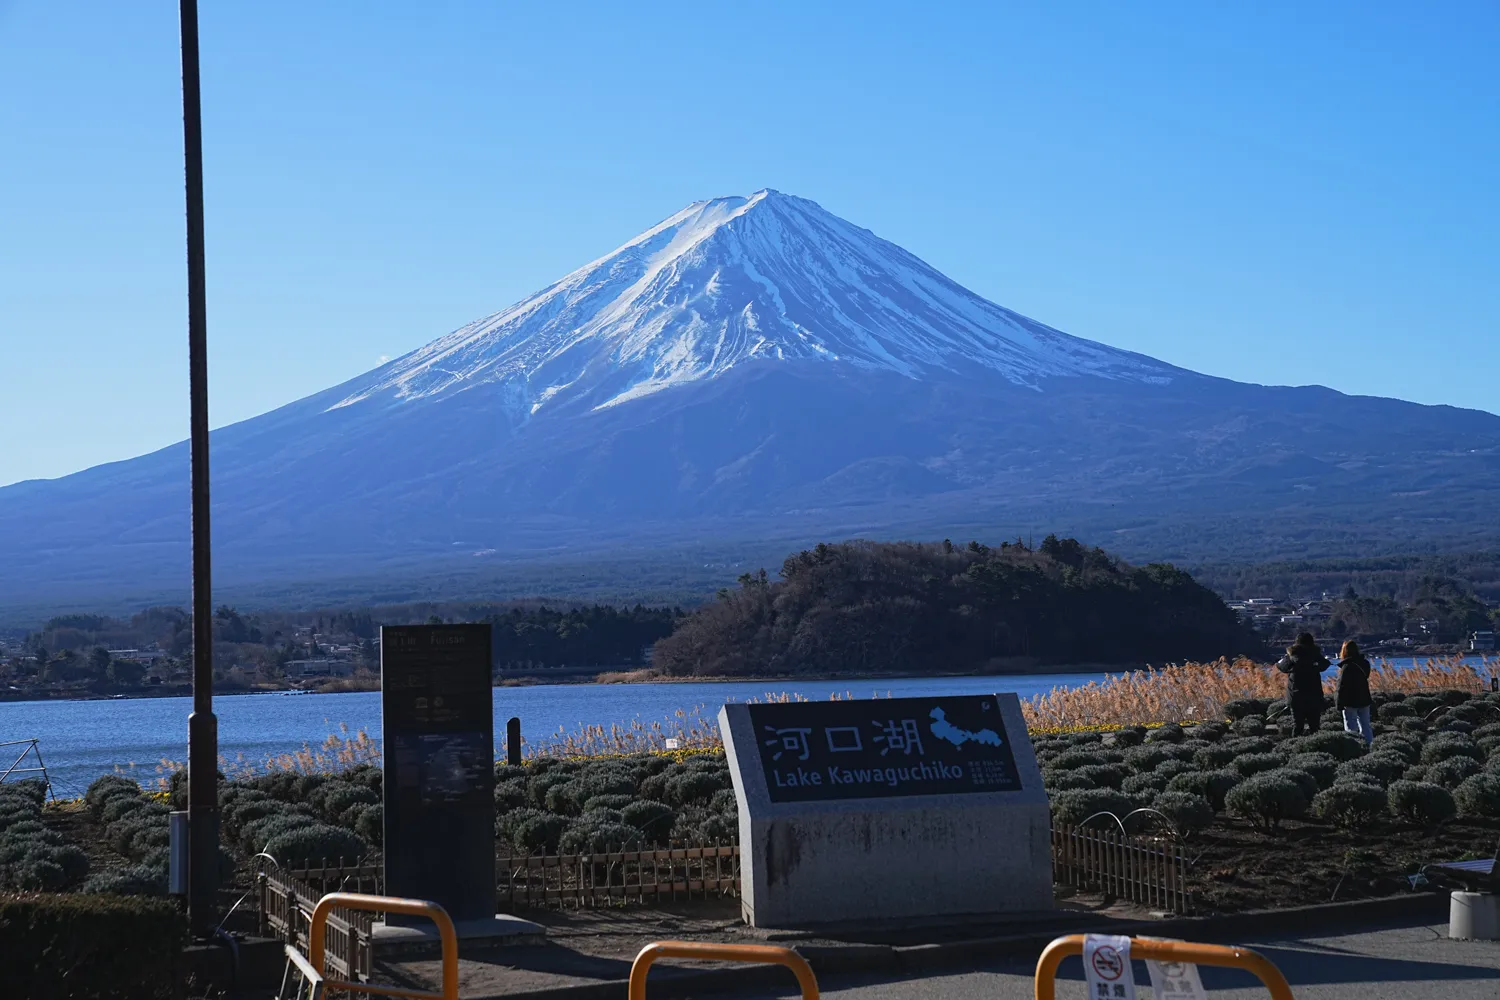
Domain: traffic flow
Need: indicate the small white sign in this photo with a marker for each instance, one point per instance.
(1175, 981)
(671, 743)
(1106, 967)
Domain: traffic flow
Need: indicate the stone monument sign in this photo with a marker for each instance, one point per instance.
(438, 719)
(887, 809)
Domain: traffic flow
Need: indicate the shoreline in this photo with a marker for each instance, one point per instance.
(575, 677)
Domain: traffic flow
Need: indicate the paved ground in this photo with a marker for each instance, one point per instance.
(1395, 964)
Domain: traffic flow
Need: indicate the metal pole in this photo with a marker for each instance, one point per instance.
(203, 727)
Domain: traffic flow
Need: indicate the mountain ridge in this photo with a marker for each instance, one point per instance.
(633, 404)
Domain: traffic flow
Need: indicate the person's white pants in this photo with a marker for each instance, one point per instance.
(1357, 721)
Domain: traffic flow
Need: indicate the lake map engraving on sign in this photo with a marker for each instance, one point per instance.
(812, 751)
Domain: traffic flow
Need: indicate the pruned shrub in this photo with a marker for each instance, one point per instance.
(135, 881)
(1144, 758)
(538, 833)
(695, 786)
(1187, 813)
(1375, 769)
(1393, 710)
(1340, 746)
(1213, 757)
(608, 801)
(1210, 732)
(319, 844)
(510, 794)
(1149, 783)
(1321, 766)
(370, 824)
(1443, 746)
(1130, 736)
(1169, 769)
(1210, 785)
(1448, 773)
(654, 819)
(1171, 732)
(543, 782)
(592, 837)
(257, 833)
(1250, 725)
(1104, 775)
(1255, 763)
(1074, 807)
(1420, 802)
(1398, 745)
(1423, 704)
(696, 825)
(1240, 708)
(101, 790)
(1072, 759)
(116, 808)
(1349, 804)
(1250, 744)
(1302, 779)
(1479, 796)
(1062, 781)
(337, 798)
(1266, 800)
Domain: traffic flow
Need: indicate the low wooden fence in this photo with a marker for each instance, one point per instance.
(614, 877)
(288, 895)
(1152, 872)
(1140, 869)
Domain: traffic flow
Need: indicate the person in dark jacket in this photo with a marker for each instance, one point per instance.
(1354, 692)
(1303, 665)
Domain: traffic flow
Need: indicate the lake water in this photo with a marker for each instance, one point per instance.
(81, 740)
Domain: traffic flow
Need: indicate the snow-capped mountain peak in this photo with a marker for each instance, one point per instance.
(736, 281)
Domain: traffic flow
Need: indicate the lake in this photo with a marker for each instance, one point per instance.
(81, 740)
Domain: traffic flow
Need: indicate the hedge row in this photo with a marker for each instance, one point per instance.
(32, 857)
(89, 946)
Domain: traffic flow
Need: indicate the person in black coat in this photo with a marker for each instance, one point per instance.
(1303, 665)
(1353, 697)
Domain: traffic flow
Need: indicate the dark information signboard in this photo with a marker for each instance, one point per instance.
(824, 750)
(438, 718)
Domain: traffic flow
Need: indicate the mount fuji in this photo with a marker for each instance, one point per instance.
(755, 371)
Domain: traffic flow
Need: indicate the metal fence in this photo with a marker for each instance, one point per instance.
(614, 877)
(14, 771)
(1139, 869)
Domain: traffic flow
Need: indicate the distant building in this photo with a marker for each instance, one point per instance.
(319, 668)
(1482, 642)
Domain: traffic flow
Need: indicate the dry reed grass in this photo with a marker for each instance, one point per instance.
(1201, 690)
(1176, 693)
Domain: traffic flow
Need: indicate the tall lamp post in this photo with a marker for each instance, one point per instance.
(203, 727)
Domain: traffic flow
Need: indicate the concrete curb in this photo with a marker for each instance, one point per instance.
(836, 959)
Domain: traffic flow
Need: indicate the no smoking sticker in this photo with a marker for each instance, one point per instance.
(1106, 967)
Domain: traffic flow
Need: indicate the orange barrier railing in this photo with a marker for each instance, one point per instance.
(1227, 956)
(317, 935)
(764, 954)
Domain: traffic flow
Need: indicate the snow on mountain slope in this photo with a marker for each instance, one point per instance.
(732, 281)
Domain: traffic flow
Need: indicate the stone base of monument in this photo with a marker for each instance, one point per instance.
(500, 930)
(888, 811)
(1474, 916)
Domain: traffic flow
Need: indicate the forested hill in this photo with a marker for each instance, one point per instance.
(902, 607)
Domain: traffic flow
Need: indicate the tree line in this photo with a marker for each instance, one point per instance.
(906, 607)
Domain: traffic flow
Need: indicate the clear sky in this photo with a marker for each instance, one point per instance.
(1272, 192)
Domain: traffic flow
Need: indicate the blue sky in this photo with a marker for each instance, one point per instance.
(1272, 192)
